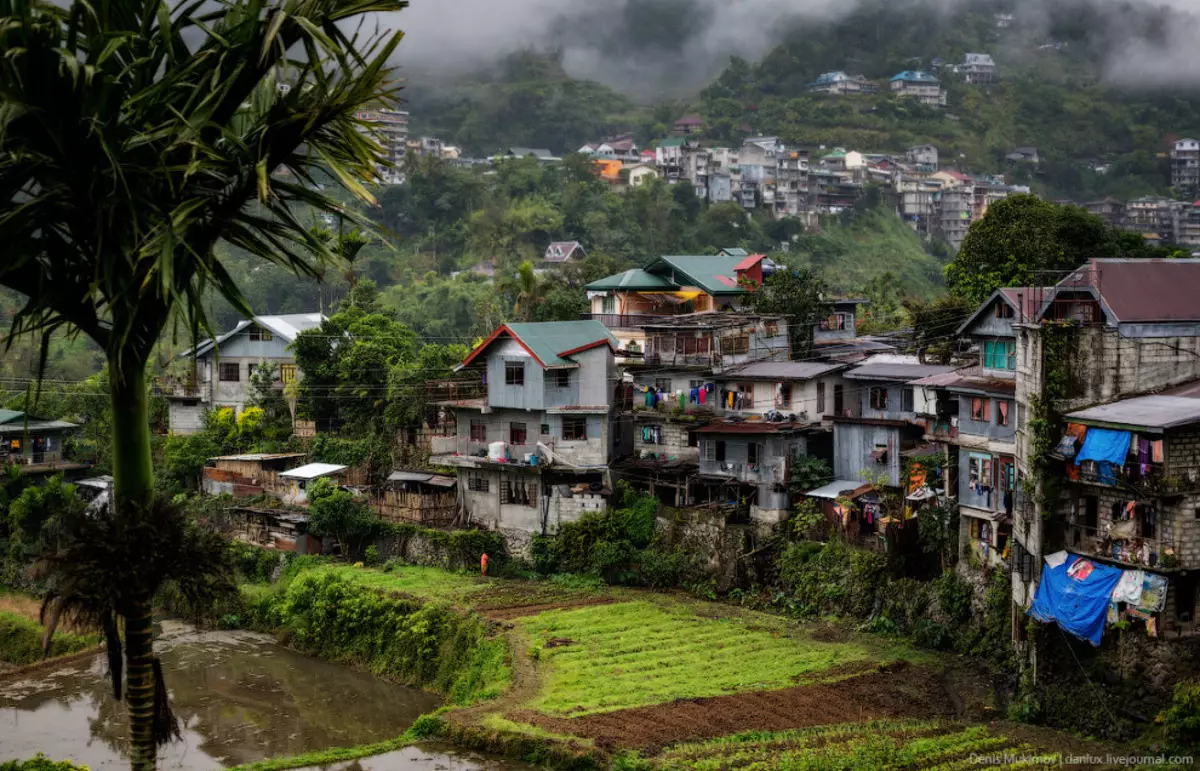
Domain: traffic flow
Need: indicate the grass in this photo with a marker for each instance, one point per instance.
(423, 582)
(635, 654)
(895, 744)
(21, 640)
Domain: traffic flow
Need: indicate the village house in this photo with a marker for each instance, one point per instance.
(543, 429)
(1185, 168)
(1108, 209)
(541, 154)
(687, 125)
(923, 157)
(419, 498)
(917, 204)
(669, 286)
(922, 86)
(560, 252)
(1124, 461)
(842, 159)
(978, 68)
(249, 475)
(620, 148)
(640, 173)
(34, 444)
(220, 368)
(296, 481)
(842, 83)
(1023, 155)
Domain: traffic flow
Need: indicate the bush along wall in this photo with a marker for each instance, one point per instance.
(448, 549)
(428, 645)
(21, 641)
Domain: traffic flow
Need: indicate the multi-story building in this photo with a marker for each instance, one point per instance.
(915, 201)
(1185, 168)
(1185, 223)
(923, 157)
(791, 183)
(1108, 209)
(390, 129)
(954, 213)
(978, 68)
(842, 83)
(922, 86)
(540, 428)
(1151, 216)
(221, 367)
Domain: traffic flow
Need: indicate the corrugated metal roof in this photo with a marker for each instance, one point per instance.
(784, 370)
(712, 273)
(7, 416)
(632, 280)
(1143, 291)
(285, 326)
(17, 427)
(423, 477)
(1154, 412)
(838, 488)
(904, 368)
(550, 339)
(752, 427)
(963, 380)
(313, 470)
(259, 456)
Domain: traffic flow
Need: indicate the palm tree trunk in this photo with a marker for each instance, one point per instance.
(133, 479)
(139, 656)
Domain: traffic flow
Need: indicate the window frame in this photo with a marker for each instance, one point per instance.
(908, 399)
(820, 397)
(478, 484)
(663, 384)
(287, 373)
(514, 373)
(518, 433)
(222, 372)
(877, 398)
(561, 378)
(839, 399)
(981, 409)
(1003, 412)
(574, 429)
(481, 435)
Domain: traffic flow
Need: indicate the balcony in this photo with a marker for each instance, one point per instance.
(624, 320)
(178, 388)
(1144, 479)
(1128, 542)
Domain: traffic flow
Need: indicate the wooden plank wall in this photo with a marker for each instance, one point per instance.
(416, 508)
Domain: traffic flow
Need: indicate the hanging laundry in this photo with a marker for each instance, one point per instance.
(1129, 588)
(1156, 451)
(1143, 456)
(1154, 593)
(704, 393)
(694, 396)
(682, 401)
(649, 398)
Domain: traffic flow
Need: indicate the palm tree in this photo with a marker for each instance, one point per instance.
(135, 135)
(527, 290)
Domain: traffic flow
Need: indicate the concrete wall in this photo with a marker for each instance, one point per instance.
(775, 453)
(674, 438)
(1111, 366)
(185, 418)
(853, 444)
(594, 451)
(596, 377)
(895, 401)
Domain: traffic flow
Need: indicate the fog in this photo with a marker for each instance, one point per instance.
(618, 43)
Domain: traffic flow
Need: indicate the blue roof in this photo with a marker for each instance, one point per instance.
(916, 76)
(831, 77)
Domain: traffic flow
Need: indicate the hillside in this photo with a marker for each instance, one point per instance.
(1061, 90)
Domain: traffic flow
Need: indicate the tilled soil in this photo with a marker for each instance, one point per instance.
(892, 692)
(509, 612)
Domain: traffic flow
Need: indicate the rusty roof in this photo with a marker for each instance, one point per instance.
(1142, 291)
(962, 380)
(755, 427)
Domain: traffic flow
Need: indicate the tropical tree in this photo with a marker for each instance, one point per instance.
(527, 290)
(134, 136)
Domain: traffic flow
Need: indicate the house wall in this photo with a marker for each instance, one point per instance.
(775, 454)
(594, 451)
(803, 396)
(990, 429)
(853, 444)
(185, 418)
(674, 438)
(553, 395)
(1110, 365)
(988, 326)
(244, 352)
(486, 510)
(529, 396)
(894, 400)
(595, 378)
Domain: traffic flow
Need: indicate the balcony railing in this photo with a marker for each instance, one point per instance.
(180, 388)
(624, 320)
(1130, 542)
(1147, 479)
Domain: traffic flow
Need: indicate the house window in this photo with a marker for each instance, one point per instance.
(772, 329)
(1000, 354)
(839, 400)
(662, 384)
(907, 400)
(878, 398)
(1003, 406)
(574, 429)
(1148, 520)
(821, 398)
(478, 431)
(257, 333)
(695, 384)
(230, 372)
(752, 454)
(976, 529)
(514, 373)
(545, 429)
(516, 433)
(834, 322)
(287, 373)
(1003, 310)
(478, 484)
(785, 395)
(981, 410)
(562, 378)
(979, 473)
(518, 493)
(734, 346)
(609, 305)
(693, 440)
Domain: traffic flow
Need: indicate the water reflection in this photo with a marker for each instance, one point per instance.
(239, 696)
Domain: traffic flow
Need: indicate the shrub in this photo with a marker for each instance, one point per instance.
(40, 763)
(1181, 720)
(21, 641)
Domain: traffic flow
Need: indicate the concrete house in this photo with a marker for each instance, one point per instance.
(923, 157)
(1185, 167)
(922, 86)
(35, 444)
(542, 429)
(223, 367)
(842, 83)
(687, 125)
(746, 466)
(978, 68)
(808, 390)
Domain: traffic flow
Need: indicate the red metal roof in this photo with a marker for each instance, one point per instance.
(1033, 297)
(1141, 291)
(750, 262)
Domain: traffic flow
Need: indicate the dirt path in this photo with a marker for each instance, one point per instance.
(892, 692)
(509, 612)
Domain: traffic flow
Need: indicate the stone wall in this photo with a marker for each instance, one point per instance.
(705, 534)
(674, 439)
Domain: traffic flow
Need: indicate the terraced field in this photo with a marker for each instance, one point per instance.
(902, 744)
(632, 654)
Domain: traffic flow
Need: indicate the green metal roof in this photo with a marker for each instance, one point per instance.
(712, 273)
(735, 251)
(672, 142)
(548, 339)
(633, 280)
(8, 416)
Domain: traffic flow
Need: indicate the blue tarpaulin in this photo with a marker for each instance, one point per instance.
(1078, 605)
(1104, 445)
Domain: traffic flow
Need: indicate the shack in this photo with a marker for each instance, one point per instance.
(297, 480)
(35, 444)
(418, 497)
(250, 475)
(274, 529)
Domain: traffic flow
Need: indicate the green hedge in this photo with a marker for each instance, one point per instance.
(430, 645)
(21, 641)
(40, 763)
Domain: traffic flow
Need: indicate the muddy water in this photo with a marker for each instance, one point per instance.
(239, 697)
